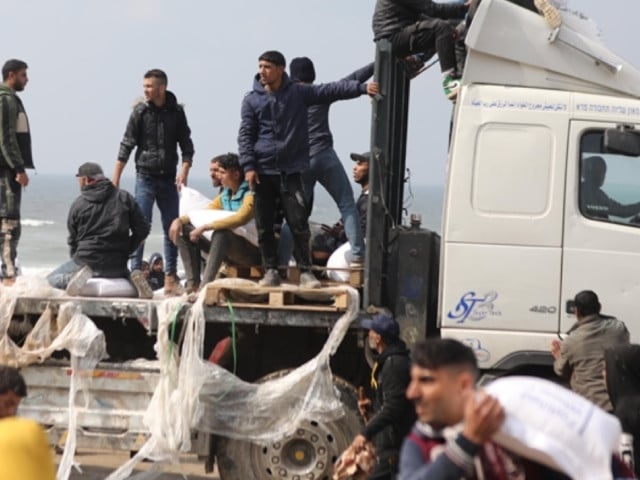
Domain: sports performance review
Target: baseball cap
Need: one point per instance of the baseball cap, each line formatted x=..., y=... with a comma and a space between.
x=89, y=169
x=383, y=324
x=361, y=157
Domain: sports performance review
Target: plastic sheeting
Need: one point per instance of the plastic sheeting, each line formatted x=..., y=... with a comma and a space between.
x=70, y=330
x=193, y=393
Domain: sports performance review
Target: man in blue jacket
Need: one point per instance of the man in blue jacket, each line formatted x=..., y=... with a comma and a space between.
x=273, y=144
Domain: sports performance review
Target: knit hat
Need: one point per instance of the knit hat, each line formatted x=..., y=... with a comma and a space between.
x=273, y=56
x=90, y=169
x=301, y=70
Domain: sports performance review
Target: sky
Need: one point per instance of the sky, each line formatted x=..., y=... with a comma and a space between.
x=87, y=58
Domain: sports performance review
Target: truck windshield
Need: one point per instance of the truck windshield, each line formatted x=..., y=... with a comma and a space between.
x=609, y=183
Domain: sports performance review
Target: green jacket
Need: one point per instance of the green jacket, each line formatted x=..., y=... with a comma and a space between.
x=582, y=356
x=15, y=138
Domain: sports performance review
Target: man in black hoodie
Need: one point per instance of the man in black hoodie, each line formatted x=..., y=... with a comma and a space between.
x=393, y=414
x=156, y=127
x=105, y=226
x=15, y=156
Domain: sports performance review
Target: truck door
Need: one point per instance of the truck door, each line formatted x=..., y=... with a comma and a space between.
x=602, y=225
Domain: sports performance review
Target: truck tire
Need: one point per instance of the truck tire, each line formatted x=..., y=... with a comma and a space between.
x=311, y=449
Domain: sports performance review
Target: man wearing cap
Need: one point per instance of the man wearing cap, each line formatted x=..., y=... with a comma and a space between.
x=105, y=226
x=324, y=165
x=273, y=143
x=580, y=357
x=15, y=156
x=361, y=177
x=392, y=414
x=155, y=129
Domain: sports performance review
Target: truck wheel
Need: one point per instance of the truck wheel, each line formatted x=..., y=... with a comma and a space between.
x=308, y=452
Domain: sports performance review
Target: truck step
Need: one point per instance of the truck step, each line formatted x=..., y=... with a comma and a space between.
x=284, y=297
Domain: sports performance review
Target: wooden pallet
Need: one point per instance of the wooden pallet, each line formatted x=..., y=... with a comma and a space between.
x=356, y=275
x=285, y=297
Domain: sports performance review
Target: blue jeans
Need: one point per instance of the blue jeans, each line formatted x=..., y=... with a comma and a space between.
x=163, y=191
x=60, y=277
x=325, y=167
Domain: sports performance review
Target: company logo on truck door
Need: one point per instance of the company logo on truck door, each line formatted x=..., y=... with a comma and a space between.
x=475, y=307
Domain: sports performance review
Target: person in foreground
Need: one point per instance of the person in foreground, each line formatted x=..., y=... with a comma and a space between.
x=24, y=448
x=452, y=436
x=105, y=226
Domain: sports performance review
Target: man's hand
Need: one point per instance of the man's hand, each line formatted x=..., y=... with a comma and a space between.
x=175, y=230
x=483, y=416
x=358, y=442
x=183, y=176
x=364, y=407
x=373, y=89
x=467, y=4
x=196, y=233
x=22, y=179
x=251, y=177
x=556, y=345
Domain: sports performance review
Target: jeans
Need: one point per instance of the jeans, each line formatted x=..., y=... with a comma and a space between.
x=325, y=167
x=429, y=36
x=224, y=246
x=288, y=189
x=163, y=191
x=60, y=277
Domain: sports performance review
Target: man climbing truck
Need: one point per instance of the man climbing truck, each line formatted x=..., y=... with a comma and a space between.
x=519, y=237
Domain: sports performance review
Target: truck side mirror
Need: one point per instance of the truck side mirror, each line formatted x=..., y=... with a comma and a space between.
x=623, y=140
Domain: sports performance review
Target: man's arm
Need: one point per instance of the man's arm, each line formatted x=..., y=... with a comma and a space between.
x=562, y=364
x=362, y=74
x=332, y=92
x=9, y=141
x=239, y=218
x=247, y=138
x=137, y=224
x=128, y=143
x=186, y=147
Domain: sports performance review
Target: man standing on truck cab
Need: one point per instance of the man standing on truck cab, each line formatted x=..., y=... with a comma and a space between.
x=273, y=143
x=15, y=156
x=105, y=226
x=580, y=357
x=225, y=244
x=420, y=27
x=156, y=127
x=392, y=414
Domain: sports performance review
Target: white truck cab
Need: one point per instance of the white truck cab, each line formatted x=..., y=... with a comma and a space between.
x=528, y=221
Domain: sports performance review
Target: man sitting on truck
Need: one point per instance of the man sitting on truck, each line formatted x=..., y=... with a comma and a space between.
x=594, y=202
x=105, y=226
x=225, y=245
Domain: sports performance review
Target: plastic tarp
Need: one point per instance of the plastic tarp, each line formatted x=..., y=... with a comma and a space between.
x=70, y=330
x=193, y=393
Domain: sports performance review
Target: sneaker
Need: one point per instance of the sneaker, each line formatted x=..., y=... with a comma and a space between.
x=451, y=87
x=309, y=280
x=271, y=278
x=549, y=12
x=141, y=284
x=79, y=280
x=356, y=263
x=413, y=65
x=172, y=287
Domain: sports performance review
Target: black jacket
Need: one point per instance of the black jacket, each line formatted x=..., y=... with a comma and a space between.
x=105, y=226
x=320, y=137
x=15, y=136
x=391, y=16
x=393, y=414
x=157, y=132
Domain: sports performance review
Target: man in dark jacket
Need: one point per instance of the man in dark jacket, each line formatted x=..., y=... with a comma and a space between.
x=273, y=144
x=15, y=156
x=156, y=127
x=105, y=226
x=420, y=27
x=324, y=165
x=392, y=414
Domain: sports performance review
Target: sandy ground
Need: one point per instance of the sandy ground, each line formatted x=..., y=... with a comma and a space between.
x=98, y=464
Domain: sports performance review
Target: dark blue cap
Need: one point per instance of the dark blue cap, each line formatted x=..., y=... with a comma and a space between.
x=383, y=324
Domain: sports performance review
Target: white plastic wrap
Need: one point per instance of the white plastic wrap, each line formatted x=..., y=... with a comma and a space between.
x=194, y=393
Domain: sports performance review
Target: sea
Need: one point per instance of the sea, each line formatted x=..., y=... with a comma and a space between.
x=47, y=198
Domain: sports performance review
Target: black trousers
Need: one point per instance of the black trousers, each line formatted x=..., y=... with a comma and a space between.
x=428, y=37
x=288, y=192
